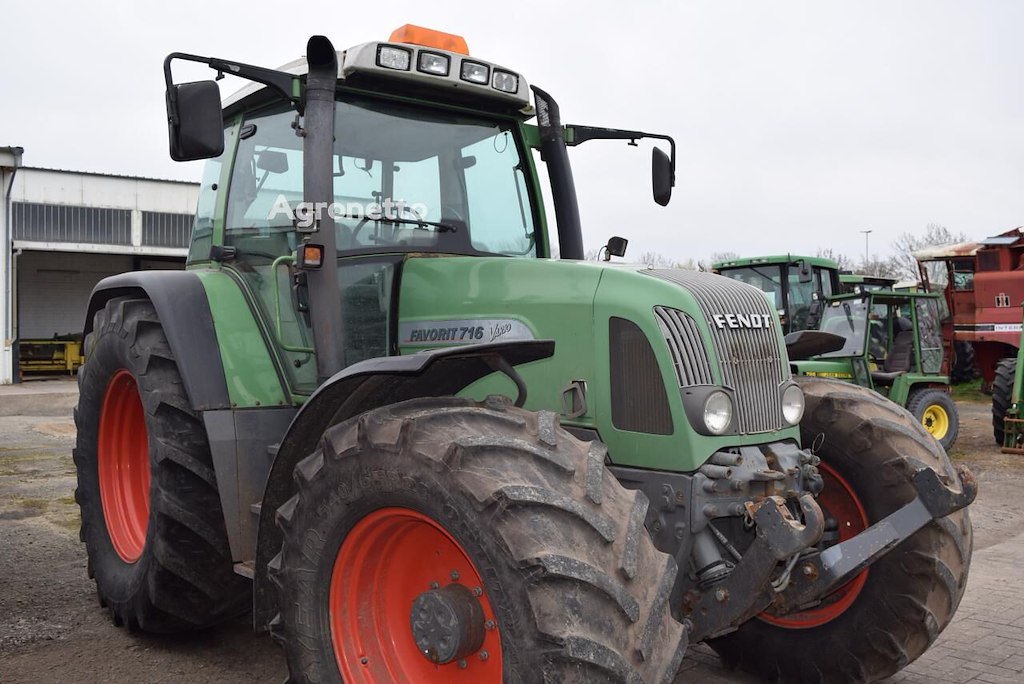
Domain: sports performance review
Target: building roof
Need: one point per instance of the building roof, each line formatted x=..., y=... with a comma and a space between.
x=107, y=175
x=939, y=252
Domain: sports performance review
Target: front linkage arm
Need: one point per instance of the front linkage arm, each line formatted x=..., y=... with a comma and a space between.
x=821, y=573
x=721, y=608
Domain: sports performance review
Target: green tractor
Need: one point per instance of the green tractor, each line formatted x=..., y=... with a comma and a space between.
x=1008, y=403
x=858, y=282
x=375, y=412
x=892, y=343
x=797, y=286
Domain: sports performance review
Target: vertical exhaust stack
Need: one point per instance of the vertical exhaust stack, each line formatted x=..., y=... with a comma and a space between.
x=318, y=191
x=563, y=189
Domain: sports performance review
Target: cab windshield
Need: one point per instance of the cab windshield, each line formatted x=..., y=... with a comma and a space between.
x=791, y=298
x=848, y=319
x=405, y=179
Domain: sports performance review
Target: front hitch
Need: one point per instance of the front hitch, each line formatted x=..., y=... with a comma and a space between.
x=747, y=590
x=820, y=574
x=779, y=536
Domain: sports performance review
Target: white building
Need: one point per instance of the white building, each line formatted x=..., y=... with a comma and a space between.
x=61, y=232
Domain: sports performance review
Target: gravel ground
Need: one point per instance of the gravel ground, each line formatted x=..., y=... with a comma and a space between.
x=53, y=630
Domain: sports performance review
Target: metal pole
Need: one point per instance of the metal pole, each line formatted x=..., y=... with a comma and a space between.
x=10, y=160
x=866, y=254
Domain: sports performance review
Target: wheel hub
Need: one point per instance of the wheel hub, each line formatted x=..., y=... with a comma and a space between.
x=447, y=623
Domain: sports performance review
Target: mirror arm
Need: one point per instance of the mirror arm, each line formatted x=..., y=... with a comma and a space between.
x=278, y=80
x=581, y=134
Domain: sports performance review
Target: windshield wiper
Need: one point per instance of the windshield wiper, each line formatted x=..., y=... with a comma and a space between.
x=441, y=227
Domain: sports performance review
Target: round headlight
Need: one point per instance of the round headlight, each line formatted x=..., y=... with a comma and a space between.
x=793, y=404
x=717, y=412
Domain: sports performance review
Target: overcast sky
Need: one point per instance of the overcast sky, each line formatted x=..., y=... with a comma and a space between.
x=798, y=124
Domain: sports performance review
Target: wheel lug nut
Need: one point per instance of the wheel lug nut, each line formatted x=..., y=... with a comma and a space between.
x=477, y=591
x=435, y=585
x=462, y=664
x=364, y=660
x=489, y=625
x=455, y=575
x=484, y=655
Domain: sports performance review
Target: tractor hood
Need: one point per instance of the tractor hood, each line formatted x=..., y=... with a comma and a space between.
x=636, y=349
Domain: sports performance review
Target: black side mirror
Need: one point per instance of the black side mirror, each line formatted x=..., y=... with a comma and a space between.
x=661, y=176
x=804, y=273
x=616, y=247
x=272, y=161
x=195, y=123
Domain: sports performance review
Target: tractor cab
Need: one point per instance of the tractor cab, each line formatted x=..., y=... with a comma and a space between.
x=859, y=282
x=796, y=286
x=328, y=176
x=893, y=345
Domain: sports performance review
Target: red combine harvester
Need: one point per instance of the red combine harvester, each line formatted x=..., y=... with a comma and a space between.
x=984, y=290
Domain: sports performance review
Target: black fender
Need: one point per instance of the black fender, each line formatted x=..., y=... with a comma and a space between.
x=180, y=301
x=359, y=388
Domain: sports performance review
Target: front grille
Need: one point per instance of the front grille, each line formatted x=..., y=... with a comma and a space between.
x=751, y=359
x=684, y=341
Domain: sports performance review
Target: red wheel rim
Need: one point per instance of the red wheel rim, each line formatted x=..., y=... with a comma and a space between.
x=839, y=501
x=388, y=559
x=123, y=464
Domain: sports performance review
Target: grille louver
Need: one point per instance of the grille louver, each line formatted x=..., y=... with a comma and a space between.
x=684, y=341
x=751, y=359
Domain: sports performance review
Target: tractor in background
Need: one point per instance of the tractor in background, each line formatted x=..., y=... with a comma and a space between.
x=1008, y=403
x=377, y=413
x=858, y=283
x=803, y=289
x=892, y=343
x=796, y=286
x=983, y=285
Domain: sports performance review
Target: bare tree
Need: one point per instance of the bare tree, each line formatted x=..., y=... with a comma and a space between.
x=656, y=259
x=907, y=243
x=723, y=256
x=659, y=260
x=692, y=264
x=845, y=262
x=884, y=268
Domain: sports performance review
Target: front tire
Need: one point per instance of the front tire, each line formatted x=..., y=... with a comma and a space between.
x=481, y=500
x=905, y=599
x=937, y=413
x=151, y=514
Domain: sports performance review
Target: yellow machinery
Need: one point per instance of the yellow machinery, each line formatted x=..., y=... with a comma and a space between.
x=64, y=355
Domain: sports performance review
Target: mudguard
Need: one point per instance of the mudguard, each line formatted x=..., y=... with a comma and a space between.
x=180, y=301
x=359, y=388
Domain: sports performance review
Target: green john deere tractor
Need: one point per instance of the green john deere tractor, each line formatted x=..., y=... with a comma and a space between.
x=892, y=343
x=858, y=282
x=797, y=286
x=377, y=413
x=1008, y=403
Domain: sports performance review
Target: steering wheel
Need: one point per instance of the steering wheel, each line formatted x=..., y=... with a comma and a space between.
x=355, y=231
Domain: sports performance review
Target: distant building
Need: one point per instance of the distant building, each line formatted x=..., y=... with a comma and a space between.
x=61, y=232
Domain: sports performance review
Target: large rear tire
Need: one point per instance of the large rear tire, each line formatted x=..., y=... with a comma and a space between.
x=1002, y=397
x=904, y=600
x=479, y=499
x=151, y=513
